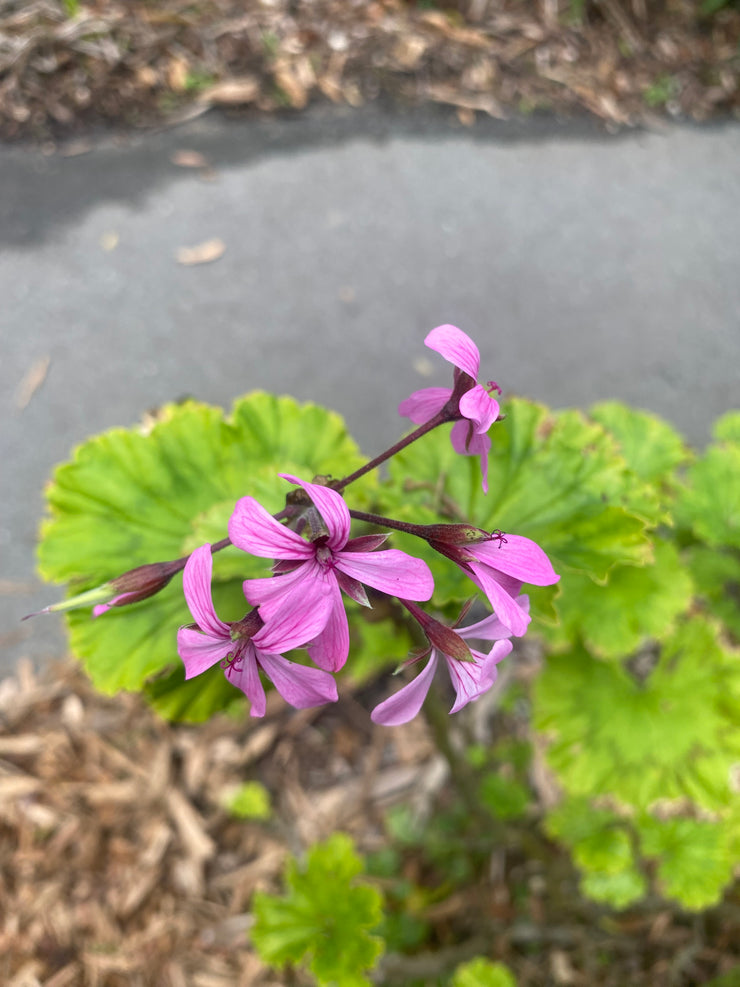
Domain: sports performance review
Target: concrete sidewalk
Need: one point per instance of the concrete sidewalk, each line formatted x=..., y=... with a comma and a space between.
x=585, y=267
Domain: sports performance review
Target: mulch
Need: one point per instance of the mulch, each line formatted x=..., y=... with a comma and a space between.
x=120, y=865
x=67, y=65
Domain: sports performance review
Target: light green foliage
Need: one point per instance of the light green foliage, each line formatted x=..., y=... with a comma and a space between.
x=635, y=603
x=131, y=496
x=661, y=91
x=709, y=503
x=324, y=918
x=694, y=861
x=482, y=973
x=250, y=801
x=729, y=979
x=602, y=849
x=672, y=735
x=504, y=797
x=717, y=578
x=71, y=7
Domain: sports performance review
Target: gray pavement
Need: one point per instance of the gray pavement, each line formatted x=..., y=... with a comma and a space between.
x=586, y=267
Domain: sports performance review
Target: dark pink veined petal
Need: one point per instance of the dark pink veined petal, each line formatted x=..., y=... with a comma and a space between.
x=456, y=347
x=294, y=622
x=330, y=648
x=490, y=628
x=199, y=652
x=506, y=608
x=299, y=685
x=255, y=531
x=403, y=705
x=244, y=674
x=424, y=404
x=308, y=592
x=516, y=556
x=332, y=509
x=391, y=571
x=196, y=585
x=365, y=543
x=479, y=407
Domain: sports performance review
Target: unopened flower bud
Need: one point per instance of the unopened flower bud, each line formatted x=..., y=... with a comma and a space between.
x=130, y=587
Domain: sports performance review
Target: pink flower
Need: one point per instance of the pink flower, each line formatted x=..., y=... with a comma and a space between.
x=245, y=647
x=477, y=406
x=499, y=566
x=471, y=679
x=312, y=574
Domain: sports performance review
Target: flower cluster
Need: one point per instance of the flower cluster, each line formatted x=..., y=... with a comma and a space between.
x=315, y=562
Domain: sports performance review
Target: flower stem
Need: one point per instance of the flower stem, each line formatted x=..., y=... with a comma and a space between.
x=440, y=418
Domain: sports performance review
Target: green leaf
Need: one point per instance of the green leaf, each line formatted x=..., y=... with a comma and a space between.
x=553, y=477
x=672, y=735
x=709, y=503
x=727, y=427
x=324, y=918
x=614, y=618
x=154, y=493
x=505, y=798
x=651, y=447
x=694, y=865
x=250, y=800
x=619, y=890
x=717, y=577
x=482, y=973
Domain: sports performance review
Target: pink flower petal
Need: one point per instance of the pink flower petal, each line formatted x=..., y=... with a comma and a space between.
x=199, y=652
x=490, y=628
x=480, y=408
x=406, y=703
x=330, y=648
x=365, y=543
x=472, y=679
x=456, y=347
x=507, y=609
x=391, y=571
x=295, y=621
x=196, y=585
x=516, y=556
x=332, y=509
x=424, y=404
x=300, y=686
x=244, y=674
x=255, y=531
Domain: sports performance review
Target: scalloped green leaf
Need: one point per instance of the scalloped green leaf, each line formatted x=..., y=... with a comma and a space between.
x=717, y=577
x=325, y=917
x=553, y=477
x=151, y=493
x=672, y=735
x=635, y=603
x=709, y=502
x=694, y=864
x=653, y=448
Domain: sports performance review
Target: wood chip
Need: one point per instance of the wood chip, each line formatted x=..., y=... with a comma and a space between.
x=31, y=382
x=236, y=91
x=203, y=253
x=189, y=159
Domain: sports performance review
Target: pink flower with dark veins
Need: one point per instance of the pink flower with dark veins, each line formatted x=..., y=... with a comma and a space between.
x=499, y=566
x=477, y=405
x=312, y=574
x=246, y=646
x=471, y=678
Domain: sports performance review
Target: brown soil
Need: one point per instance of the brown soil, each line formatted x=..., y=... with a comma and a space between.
x=67, y=64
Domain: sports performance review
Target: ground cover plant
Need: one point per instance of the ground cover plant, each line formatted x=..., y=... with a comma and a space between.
x=587, y=729
x=67, y=64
